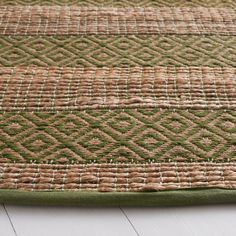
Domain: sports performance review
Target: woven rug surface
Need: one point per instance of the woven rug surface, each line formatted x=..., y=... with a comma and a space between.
x=106, y=102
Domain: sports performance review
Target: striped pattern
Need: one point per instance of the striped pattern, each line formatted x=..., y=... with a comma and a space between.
x=117, y=177
x=117, y=96
x=115, y=21
x=58, y=89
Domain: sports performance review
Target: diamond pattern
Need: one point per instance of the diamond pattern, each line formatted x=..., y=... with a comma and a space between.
x=38, y=143
x=151, y=140
x=118, y=136
x=122, y=123
x=69, y=95
x=118, y=50
x=204, y=140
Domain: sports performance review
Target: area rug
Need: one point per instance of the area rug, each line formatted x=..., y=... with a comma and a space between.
x=129, y=102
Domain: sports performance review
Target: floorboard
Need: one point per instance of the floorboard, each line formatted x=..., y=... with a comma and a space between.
x=184, y=221
x=69, y=221
x=6, y=228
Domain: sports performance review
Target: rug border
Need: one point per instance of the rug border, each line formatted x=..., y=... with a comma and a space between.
x=161, y=198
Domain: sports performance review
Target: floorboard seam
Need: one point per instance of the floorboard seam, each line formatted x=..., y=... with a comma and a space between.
x=9, y=218
x=135, y=230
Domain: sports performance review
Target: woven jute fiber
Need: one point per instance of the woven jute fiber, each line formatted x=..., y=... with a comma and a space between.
x=129, y=102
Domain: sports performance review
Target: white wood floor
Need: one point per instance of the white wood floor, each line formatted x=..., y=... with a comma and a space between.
x=69, y=221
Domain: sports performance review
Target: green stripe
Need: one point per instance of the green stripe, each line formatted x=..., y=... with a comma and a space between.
x=212, y=51
x=181, y=135
x=125, y=3
x=162, y=198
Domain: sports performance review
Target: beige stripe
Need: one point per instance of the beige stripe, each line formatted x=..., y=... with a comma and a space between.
x=117, y=177
x=56, y=89
x=58, y=20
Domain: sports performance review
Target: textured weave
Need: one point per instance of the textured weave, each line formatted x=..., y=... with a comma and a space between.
x=103, y=98
x=37, y=20
x=123, y=3
x=56, y=88
x=118, y=51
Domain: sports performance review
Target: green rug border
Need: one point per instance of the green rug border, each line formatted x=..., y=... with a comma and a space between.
x=161, y=198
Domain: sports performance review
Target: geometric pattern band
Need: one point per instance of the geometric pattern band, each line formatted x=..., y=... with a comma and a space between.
x=120, y=136
x=36, y=89
x=118, y=51
x=72, y=20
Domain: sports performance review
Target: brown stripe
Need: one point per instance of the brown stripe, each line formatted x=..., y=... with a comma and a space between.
x=57, y=20
x=117, y=177
x=56, y=89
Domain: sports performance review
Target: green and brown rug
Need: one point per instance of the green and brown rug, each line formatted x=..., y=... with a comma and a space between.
x=129, y=102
